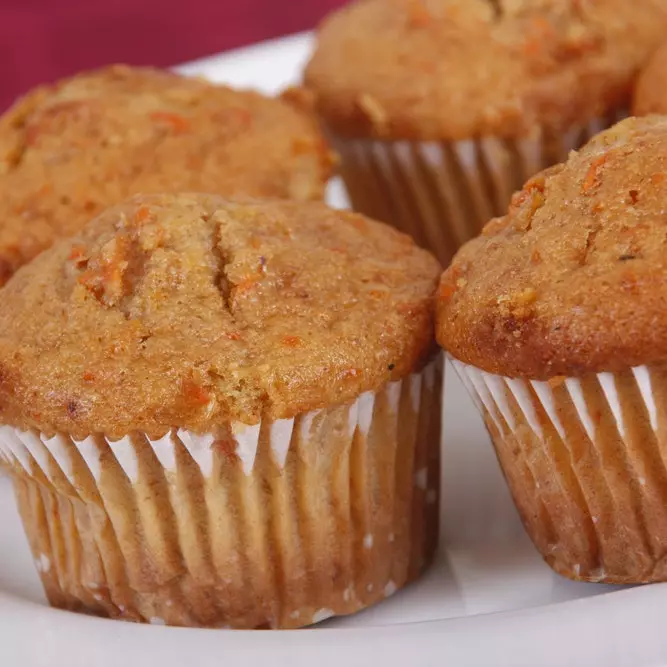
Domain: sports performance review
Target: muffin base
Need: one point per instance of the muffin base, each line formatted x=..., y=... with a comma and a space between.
x=586, y=462
x=277, y=525
x=443, y=193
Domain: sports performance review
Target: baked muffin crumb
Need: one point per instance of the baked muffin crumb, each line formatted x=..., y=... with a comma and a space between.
x=567, y=283
x=193, y=310
x=457, y=69
x=71, y=149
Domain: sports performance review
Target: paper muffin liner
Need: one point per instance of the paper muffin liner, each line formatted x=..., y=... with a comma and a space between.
x=586, y=462
x=443, y=193
x=276, y=525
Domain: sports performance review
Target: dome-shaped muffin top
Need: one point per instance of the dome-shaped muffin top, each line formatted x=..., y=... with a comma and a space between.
x=574, y=279
x=191, y=311
x=457, y=69
x=650, y=94
x=70, y=150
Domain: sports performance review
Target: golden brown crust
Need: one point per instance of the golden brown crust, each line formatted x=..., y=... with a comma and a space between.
x=70, y=150
x=650, y=94
x=191, y=311
x=455, y=69
x=572, y=280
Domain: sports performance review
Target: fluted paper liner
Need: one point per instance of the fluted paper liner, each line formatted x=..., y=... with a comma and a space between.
x=586, y=461
x=443, y=193
x=281, y=524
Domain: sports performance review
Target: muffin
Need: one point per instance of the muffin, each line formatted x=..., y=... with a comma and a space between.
x=441, y=109
x=70, y=150
x=556, y=320
x=224, y=414
x=650, y=96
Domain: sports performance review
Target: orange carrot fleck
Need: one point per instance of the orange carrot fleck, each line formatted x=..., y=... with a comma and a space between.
x=245, y=285
x=359, y=223
x=419, y=15
x=592, y=179
x=292, y=341
x=302, y=146
x=447, y=290
x=142, y=215
x=177, y=123
x=78, y=252
x=232, y=335
x=195, y=393
x=539, y=33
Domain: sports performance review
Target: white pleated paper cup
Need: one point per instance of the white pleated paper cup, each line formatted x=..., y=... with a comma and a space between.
x=443, y=193
x=278, y=525
x=585, y=459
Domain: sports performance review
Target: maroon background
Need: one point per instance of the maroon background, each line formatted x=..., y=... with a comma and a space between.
x=41, y=40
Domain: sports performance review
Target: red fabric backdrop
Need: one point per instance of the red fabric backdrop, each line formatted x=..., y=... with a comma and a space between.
x=41, y=40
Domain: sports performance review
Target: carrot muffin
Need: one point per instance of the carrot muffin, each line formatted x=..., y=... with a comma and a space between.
x=224, y=413
x=650, y=93
x=70, y=150
x=441, y=109
x=556, y=319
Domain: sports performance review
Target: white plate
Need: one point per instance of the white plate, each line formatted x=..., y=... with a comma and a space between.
x=489, y=600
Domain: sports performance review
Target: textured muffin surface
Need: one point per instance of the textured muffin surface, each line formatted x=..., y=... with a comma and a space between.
x=190, y=311
x=70, y=150
x=572, y=280
x=453, y=69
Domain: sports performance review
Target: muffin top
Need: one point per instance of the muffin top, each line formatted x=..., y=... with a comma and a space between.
x=70, y=150
x=456, y=69
x=574, y=278
x=191, y=310
x=651, y=92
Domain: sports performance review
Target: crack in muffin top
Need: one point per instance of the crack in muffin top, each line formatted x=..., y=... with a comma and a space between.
x=70, y=150
x=457, y=69
x=192, y=311
x=572, y=279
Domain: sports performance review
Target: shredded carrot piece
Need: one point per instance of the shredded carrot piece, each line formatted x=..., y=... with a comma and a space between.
x=447, y=290
x=592, y=179
x=177, y=123
x=539, y=33
x=142, y=215
x=245, y=285
x=292, y=341
x=77, y=252
x=419, y=15
x=195, y=392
